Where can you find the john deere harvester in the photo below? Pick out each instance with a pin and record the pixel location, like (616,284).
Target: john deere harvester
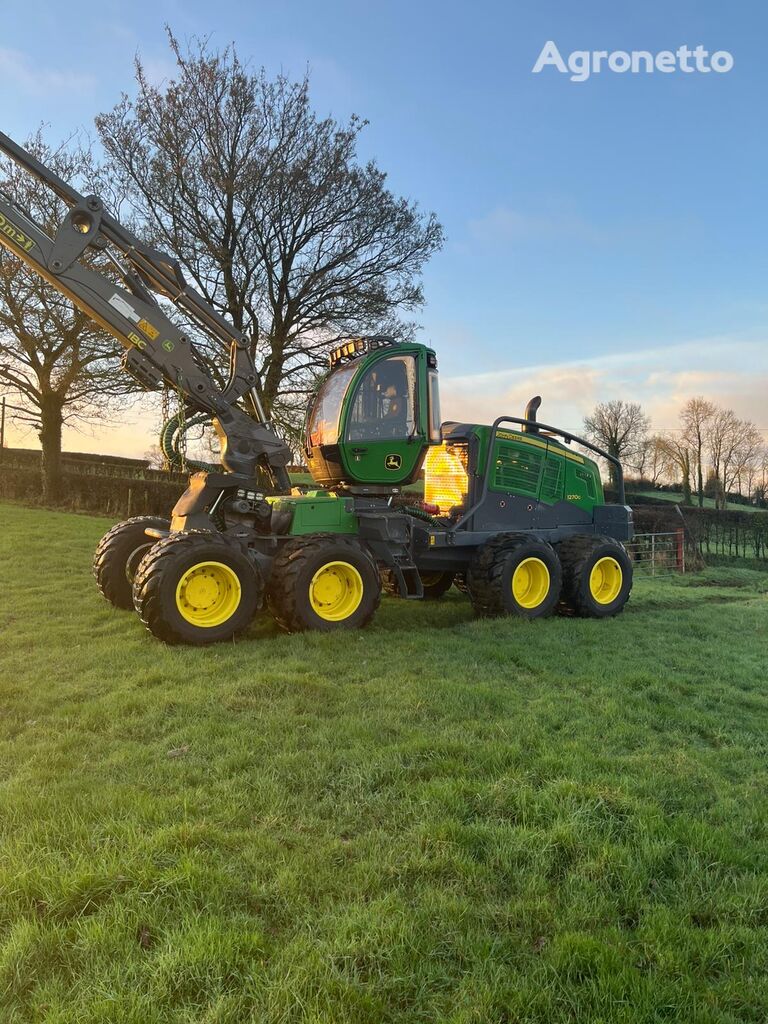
(511,512)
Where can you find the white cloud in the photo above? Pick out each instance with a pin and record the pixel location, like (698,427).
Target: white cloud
(19,68)
(731,372)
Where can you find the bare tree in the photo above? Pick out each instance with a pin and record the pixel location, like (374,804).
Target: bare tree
(696,417)
(732,444)
(746,458)
(270,212)
(760,486)
(721,444)
(154,457)
(620,428)
(657,459)
(53,358)
(678,454)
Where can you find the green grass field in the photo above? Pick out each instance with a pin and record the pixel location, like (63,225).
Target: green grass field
(438,819)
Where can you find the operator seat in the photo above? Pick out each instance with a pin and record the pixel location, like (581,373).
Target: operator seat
(392,384)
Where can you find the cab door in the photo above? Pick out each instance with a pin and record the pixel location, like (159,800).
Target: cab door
(384,428)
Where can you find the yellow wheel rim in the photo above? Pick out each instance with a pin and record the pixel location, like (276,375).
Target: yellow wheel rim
(530,583)
(431,579)
(208,594)
(605,580)
(336,591)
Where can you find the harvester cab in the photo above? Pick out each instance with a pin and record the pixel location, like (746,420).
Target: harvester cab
(511,513)
(374,416)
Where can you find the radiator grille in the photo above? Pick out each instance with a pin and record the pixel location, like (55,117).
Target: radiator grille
(518,471)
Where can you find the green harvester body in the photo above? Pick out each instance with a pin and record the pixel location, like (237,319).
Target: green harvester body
(513,512)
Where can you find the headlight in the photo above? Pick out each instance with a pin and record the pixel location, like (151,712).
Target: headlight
(445,476)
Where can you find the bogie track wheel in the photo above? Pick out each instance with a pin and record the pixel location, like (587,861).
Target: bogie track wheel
(196,588)
(118,554)
(435,584)
(325,582)
(597,576)
(513,574)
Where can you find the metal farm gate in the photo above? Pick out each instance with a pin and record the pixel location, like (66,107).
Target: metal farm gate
(657,554)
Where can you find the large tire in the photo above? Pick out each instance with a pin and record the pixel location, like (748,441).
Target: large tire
(597,576)
(435,584)
(514,574)
(118,554)
(325,582)
(196,588)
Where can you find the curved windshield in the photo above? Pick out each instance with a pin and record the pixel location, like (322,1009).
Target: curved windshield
(324,421)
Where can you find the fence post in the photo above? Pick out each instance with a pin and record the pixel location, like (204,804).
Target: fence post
(653,554)
(681,550)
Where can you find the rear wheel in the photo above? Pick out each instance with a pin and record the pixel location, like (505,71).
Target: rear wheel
(196,588)
(513,574)
(597,576)
(118,554)
(323,581)
(435,584)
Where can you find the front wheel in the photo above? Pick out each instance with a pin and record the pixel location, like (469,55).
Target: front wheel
(325,582)
(118,555)
(196,588)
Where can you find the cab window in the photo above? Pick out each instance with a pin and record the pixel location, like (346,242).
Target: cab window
(384,405)
(324,421)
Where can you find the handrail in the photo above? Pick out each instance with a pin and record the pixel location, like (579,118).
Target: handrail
(538,428)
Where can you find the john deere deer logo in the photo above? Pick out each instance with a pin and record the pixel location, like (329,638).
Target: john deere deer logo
(393,461)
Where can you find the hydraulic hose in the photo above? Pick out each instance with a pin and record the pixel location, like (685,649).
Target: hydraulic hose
(419,513)
(170,442)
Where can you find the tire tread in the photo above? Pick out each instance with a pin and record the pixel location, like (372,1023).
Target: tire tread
(574,553)
(148,581)
(107,573)
(483,578)
(283,590)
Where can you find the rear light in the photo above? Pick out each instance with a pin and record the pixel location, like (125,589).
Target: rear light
(446,483)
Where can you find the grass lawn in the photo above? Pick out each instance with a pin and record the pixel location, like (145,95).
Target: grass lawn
(437,819)
(677,499)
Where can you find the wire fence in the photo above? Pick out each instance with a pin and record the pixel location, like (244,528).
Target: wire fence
(709,531)
(656,555)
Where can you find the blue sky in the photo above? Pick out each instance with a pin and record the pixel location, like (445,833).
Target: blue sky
(604,238)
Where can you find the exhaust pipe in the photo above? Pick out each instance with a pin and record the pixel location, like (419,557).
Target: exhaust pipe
(530,414)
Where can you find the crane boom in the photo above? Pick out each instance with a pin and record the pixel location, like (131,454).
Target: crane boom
(156,349)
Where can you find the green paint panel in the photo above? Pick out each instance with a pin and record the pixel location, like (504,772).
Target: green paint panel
(583,486)
(389,462)
(376,449)
(319,513)
(540,467)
